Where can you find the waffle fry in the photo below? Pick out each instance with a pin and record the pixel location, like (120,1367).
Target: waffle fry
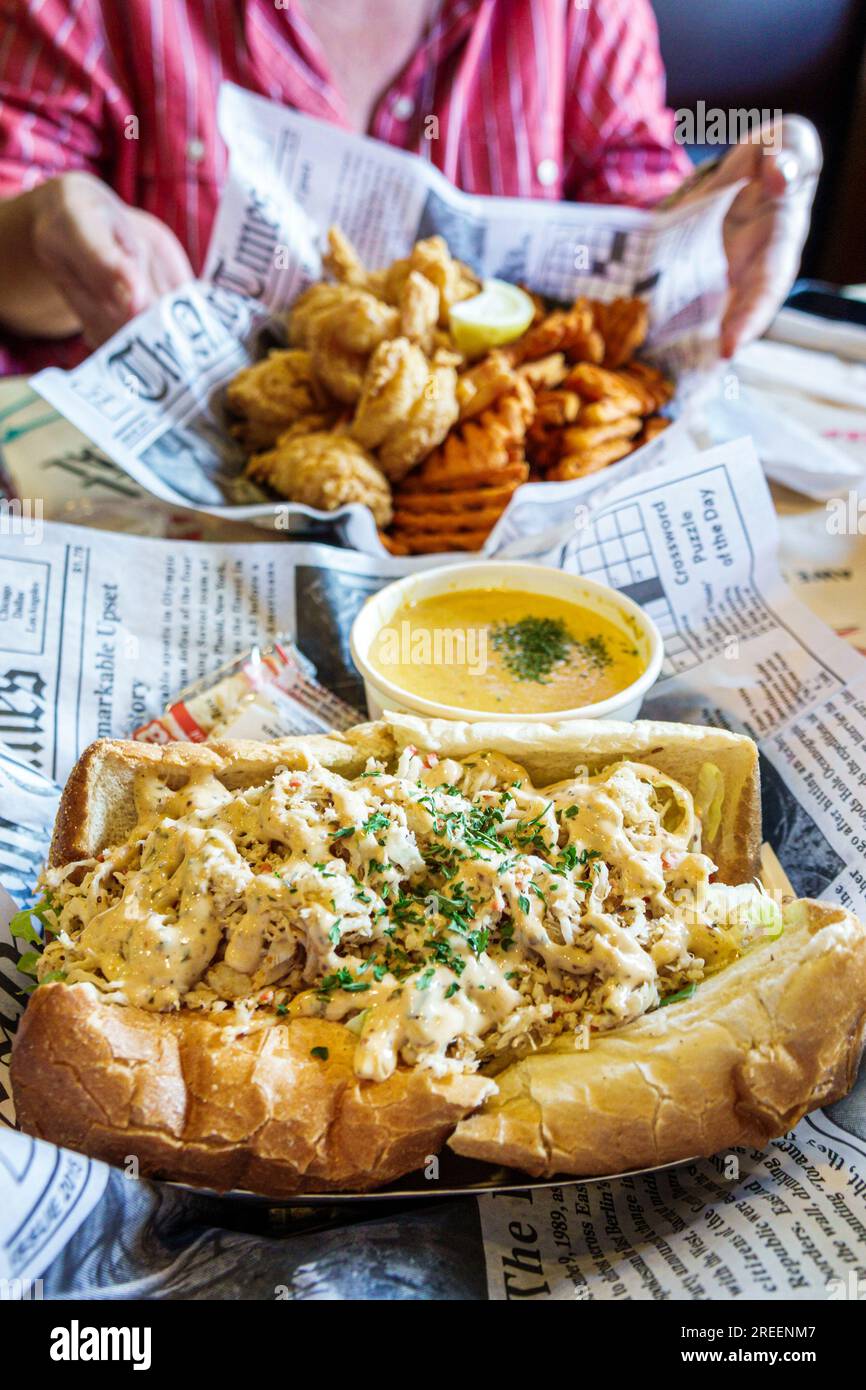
(554,409)
(652,428)
(461,500)
(579,437)
(471,477)
(482,519)
(610,408)
(545,372)
(462,489)
(432,542)
(596,383)
(579,464)
(571,331)
(484,383)
(649,382)
(623,325)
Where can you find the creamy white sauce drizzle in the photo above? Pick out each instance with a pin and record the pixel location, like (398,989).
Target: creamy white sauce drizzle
(432,907)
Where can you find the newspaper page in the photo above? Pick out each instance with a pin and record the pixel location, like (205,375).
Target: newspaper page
(151,398)
(694,543)
(786,1223)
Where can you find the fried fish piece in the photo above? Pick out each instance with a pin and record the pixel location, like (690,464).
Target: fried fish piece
(395,377)
(432,259)
(342,261)
(270,395)
(324,470)
(341,326)
(305,315)
(419,310)
(425,426)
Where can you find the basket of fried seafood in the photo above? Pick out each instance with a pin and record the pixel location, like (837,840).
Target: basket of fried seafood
(431,396)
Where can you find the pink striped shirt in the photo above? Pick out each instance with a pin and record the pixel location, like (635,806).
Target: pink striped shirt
(532,98)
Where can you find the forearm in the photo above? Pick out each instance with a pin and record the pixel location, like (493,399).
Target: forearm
(30,304)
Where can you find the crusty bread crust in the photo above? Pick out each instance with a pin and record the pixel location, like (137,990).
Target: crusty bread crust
(97,807)
(191,1099)
(757,1046)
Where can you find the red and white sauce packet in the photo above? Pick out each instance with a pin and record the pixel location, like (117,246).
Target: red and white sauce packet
(267,693)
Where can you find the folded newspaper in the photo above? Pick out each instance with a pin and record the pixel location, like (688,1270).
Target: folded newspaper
(695,544)
(151,398)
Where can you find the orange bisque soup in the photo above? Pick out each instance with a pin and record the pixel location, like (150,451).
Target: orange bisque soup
(501,649)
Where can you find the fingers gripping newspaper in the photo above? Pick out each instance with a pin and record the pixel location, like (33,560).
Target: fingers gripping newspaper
(82,655)
(151,398)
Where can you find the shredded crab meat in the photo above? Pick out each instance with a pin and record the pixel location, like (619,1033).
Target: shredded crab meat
(446,911)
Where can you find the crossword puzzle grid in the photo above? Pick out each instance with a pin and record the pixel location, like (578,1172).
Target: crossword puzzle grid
(617,260)
(616,550)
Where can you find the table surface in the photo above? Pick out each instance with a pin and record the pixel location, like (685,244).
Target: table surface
(430,1251)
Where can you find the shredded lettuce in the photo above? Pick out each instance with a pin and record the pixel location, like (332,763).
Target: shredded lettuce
(22,929)
(709,797)
(745,907)
(685,993)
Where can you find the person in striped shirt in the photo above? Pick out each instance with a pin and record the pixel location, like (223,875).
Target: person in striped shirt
(110,160)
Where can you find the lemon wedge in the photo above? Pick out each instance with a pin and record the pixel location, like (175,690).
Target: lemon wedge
(496,315)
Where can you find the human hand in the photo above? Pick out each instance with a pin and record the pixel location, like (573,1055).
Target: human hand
(767,223)
(108,261)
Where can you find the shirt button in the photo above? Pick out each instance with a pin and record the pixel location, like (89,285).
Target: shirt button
(403,108)
(195,151)
(547,172)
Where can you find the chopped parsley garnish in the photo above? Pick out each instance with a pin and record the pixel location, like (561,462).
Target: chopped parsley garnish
(321,1052)
(341,834)
(451,990)
(334,934)
(523,902)
(378,821)
(340,979)
(532,647)
(478,941)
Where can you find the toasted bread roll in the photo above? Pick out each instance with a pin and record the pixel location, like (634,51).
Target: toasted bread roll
(758,1045)
(277,1111)
(215,1099)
